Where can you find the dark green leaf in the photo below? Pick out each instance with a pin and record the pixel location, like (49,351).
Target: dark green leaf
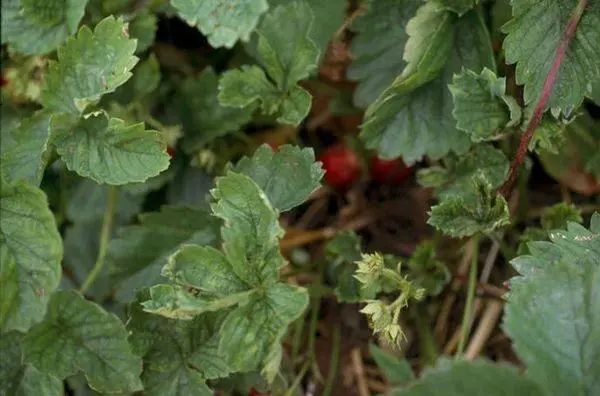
(396,370)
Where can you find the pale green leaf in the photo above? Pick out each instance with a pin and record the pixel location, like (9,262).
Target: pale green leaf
(200,113)
(458,6)
(78,335)
(481,211)
(481,107)
(70,85)
(288,55)
(395,369)
(178,355)
(426,271)
(250,330)
(140,251)
(533,35)
(108,150)
(548,136)
(380,33)
(430,39)
(21,379)
(553,314)
(251,230)
(31,254)
(287,176)
(143,28)
(24,156)
(471,378)
(36,27)
(417,123)
(224,22)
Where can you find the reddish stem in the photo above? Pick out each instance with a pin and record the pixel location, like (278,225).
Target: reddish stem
(540,107)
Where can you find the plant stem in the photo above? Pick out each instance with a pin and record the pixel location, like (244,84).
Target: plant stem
(104,237)
(540,107)
(427,343)
(468,313)
(333,362)
(297,380)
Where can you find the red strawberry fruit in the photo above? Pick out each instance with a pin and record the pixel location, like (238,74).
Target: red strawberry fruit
(388,171)
(342,167)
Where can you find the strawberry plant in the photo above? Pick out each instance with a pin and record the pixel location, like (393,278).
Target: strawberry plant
(164,230)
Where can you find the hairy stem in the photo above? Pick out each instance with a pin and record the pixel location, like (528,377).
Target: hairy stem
(104,238)
(540,107)
(468,313)
(333,362)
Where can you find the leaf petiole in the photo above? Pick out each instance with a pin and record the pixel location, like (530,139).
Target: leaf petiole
(104,238)
(468,313)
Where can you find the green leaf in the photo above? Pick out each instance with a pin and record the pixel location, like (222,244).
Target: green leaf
(430,39)
(36,27)
(533,35)
(426,271)
(559,215)
(288,55)
(480,212)
(108,150)
(287,176)
(178,355)
(25,152)
(31,254)
(71,85)
(21,379)
(395,370)
(140,251)
(251,230)
(78,335)
(481,107)
(553,314)
(471,378)
(342,253)
(145,80)
(455,179)
(248,333)
(143,28)
(200,113)
(458,6)
(413,123)
(549,135)
(224,22)
(379,34)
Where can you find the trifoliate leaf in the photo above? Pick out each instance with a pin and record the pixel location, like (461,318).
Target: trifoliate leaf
(139,252)
(72,84)
(380,33)
(455,179)
(178,355)
(458,6)
(224,22)
(143,28)
(481,107)
(200,113)
(288,176)
(78,335)
(24,153)
(395,370)
(251,230)
(108,150)
(481,211)
(35,27)
(419,122)
(426,271)
(534,34)
(249,331)
(288,55)
(31,251)
(471,378)
(553,314)
(559,215)
(21,379)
